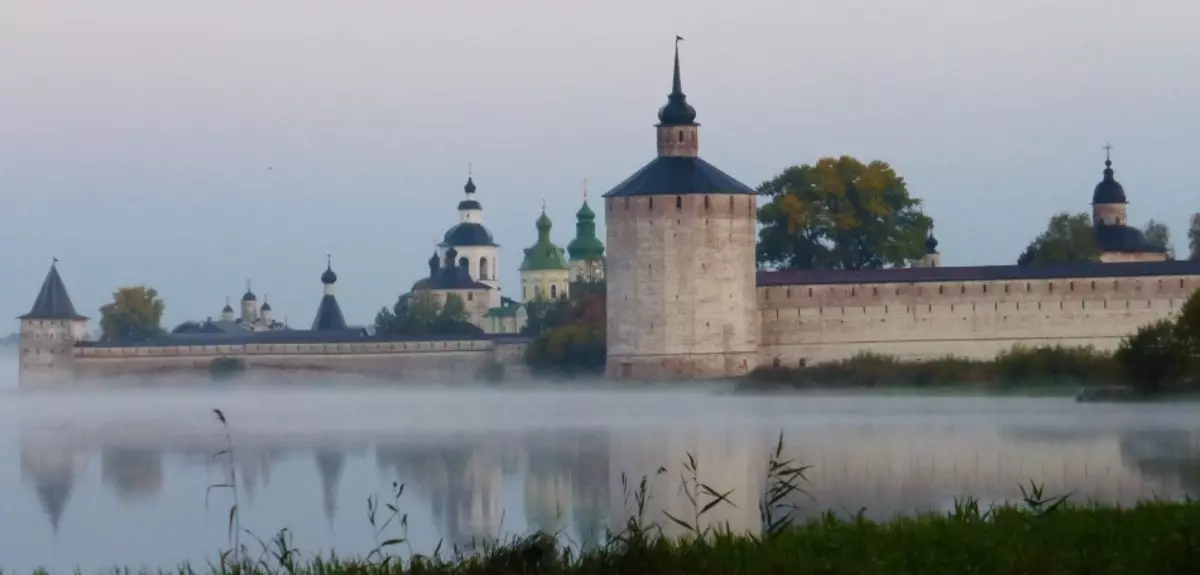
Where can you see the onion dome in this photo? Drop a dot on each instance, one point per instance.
(265, 306)
(470, 203)
(249, 295)
(677, 112)
(328, 277)
(544, 255)
(585, 245)
(468, 234)
(1108, 191)
(931, 244)
(228, 308)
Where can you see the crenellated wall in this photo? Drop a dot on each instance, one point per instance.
(975, 319)
(440, 359)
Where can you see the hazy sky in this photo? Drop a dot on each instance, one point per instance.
(193, 145)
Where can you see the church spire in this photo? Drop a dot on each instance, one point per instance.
(677, 112)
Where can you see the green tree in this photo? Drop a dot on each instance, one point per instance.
(1068, 238)
(420, 313)
(1194, 237)
(840, 214)
(133, 316)
(572, 340)
(1159, 235)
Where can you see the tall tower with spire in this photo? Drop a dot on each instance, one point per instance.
(49, 332)
(1118, 242)
(329, 313)
(681, 235)
(586, 250)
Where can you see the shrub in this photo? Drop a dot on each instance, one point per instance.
(1154, 359)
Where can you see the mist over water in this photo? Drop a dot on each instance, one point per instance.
(98, 476)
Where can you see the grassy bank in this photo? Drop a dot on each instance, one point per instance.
(1151, 538)
(1018, 367)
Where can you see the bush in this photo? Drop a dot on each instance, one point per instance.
(1164, 356)
(1016, 366)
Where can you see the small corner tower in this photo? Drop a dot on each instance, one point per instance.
(544, 271)
(329, 313)
(49, 331)
(472, 240)
(586, 250)
(681, 273)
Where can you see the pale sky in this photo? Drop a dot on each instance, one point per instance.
(192, 145)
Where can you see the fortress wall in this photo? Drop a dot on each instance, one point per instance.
(681, 285)
(967, 319)
(434, 359)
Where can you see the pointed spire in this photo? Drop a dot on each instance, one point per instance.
(52, 300)
(677, 112)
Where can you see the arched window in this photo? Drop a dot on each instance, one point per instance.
(462, 262)
(681, 135)
(553, 291)
(483, 268)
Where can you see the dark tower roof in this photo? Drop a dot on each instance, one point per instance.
(470, 203)
(585, 245)
(329, 315)
(677, 112)
(931, 243)
(228, 308)
(671, 176)
(52, 301)
(328, 277)
(468, 234)
(1108, 191)
(469, 187)
(265, 306)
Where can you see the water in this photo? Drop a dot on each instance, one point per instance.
(97, 478)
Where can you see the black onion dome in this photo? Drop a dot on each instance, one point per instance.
(469, 205)
(468, 234)
(228, 308)
(931, 244)
(677, 112)
(249, 296)
(266, 306)
(328, 277)
(470, 186)
(1109, 190)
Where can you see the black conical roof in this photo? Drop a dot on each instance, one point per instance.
(52, 301)
(329, 315)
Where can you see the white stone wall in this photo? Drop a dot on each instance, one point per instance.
(1114, 257)
(681, 286)
(967, 319)
(1110, 214)
(545, 284)
(46, 346)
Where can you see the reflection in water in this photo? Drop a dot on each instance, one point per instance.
(484, 481)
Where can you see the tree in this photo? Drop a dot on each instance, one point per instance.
(133, 316)
(840, 214)
(1194, 237)
(572, 339)
(420, 313)
(1068, 238)
(1159, 235)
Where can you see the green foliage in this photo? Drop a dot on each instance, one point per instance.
(420, 313)
(492, 371)
(1018, 366)
(1159, 235)
(571, 336)
(1194, 237)
(840, 214)
(1164, 356)
(133, 316)
(1068, 238)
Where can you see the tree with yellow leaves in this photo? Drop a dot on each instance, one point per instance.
(840, 214)
(133, 316)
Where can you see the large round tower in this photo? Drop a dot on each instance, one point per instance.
(681, 237)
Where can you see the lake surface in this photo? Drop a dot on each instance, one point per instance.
(98, 477)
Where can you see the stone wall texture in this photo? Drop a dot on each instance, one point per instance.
(967, 319)
(681, 286)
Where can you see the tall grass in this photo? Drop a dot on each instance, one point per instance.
(1041, 534)
(1014, 367)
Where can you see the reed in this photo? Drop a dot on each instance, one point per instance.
(1040, 534)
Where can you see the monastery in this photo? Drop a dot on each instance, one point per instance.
(685, 297)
